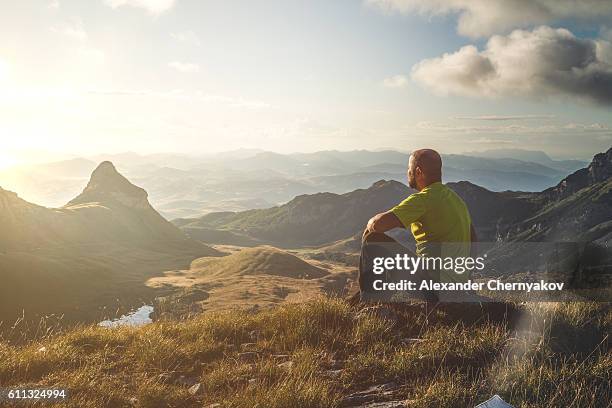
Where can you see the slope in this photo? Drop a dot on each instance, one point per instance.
(100, 247)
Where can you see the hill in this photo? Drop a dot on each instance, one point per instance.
(576, 209)
(323, 353)
(307, 220)
(98, 248)
(248, 278)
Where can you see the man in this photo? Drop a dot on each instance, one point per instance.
(437, 217)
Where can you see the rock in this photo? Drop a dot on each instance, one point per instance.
(252, 381)
(133, 401)
(43, 349)
(287, 365)
(386, 404)
(369, 395)
(196, 389)
(248, 356)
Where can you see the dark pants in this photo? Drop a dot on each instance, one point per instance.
(376, 244)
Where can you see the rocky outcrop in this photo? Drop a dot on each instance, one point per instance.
(107, 186)
(599, 170)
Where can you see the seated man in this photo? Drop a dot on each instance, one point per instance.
(436, 215)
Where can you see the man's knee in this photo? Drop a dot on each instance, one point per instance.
(372, 236)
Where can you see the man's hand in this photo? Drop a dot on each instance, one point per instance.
(383, 222)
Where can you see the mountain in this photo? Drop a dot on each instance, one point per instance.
(494, 213)
(534, 156)
(100, 247)
(307, 220)
(577, 208)
(191, 186)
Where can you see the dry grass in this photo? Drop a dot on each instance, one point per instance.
(554, 355)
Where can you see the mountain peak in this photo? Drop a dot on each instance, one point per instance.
(107, 185)
(599, 170)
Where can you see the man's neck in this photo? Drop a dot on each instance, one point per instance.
(425, 185)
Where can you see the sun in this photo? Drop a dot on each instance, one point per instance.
(7, 161)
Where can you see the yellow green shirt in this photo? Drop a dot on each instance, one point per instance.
(437, 215)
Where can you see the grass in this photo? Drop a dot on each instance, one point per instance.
(455, 356)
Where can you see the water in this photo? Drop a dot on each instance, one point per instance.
(138, 317)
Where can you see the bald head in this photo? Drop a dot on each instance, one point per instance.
(424, 168)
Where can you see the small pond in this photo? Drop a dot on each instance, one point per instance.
(137, 317)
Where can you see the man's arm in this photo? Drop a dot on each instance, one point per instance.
(384, 222)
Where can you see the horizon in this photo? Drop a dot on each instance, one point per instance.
(31, 158)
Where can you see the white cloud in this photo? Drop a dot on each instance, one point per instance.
(541, 63)
(397, 81)
(185, 67)
(72, 29)
(54, 5)
(514, 129)
(503, 117)
(485, 17)
(154, 7)
(488, 140)
(187, 37)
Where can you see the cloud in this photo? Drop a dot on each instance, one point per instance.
(185, 67)
(503, 117)
(594, 129)
(72, 29)
(187, 37)
(541, 63)
(479, 18)
(154, 7)
(53, 5)
(488, 140)
(397, 81)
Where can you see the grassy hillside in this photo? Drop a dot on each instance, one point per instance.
(95, 252)
(248, 278)
(323, 353)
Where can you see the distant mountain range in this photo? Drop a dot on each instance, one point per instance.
(100, 246)
(578, 208)
(307, 220)
(186, 186)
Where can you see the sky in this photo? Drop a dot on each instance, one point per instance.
(82, 77)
